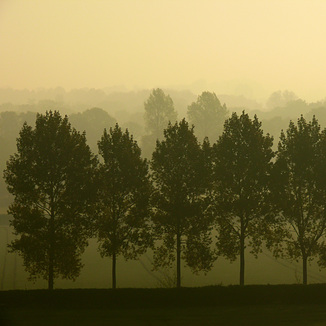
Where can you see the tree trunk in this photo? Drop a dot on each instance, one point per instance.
(114, 277)
(51, 255)
(4, 261)
(304, 270)
(242, 259)
(50, 281)
(178, 260)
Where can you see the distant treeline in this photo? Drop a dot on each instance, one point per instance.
(216, 173)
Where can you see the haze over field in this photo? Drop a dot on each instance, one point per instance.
(102, 61)
(249, 48)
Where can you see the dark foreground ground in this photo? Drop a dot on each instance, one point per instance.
(233, 305)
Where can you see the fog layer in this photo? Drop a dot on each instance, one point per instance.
(245, 48)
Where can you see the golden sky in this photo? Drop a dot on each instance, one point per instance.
(252, 47)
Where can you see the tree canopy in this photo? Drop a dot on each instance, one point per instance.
(241, 167)
(62, 194)
(122, 218)
(93, 120)
(178, 201)
(51, 178)
(299, 195)
(159, 110)
(208, 116)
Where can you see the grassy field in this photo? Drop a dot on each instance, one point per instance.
(233, 305)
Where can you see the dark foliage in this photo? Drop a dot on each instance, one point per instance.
(122, 219)
(241, 167)
(298, 193)
(178, 201)
(51, 179)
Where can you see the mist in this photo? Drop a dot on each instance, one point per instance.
(139, 72)
(245, 48)
(92, 110)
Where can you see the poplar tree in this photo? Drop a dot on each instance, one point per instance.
(122, 219)
(208, 116)
(159, 110)
(51, 177)
(241, 168)
(179, 200)
(298, 192)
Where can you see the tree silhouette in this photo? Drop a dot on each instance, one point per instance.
(178, 201)
(159, 110)
(93, 120)
(280, 99)
(298, 192)
(241, 166)
(208, 116)
(122, 218)
(51, 178)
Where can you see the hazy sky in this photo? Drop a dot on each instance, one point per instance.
(232, 46)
